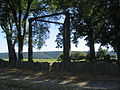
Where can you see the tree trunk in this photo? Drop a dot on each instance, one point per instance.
(20, 50)
(91, 46)
(66, 39)
(115, 15)
(118, 56)
(30, 49)
(11, 51)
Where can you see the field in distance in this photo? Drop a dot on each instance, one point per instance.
(40, 60)
(48, 60)
(43, 60)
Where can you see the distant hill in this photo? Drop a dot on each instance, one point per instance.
(4, 55)
(37, 55)
(45, 55)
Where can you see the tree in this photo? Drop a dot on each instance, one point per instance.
(7, 25)
(85, 19)
(100, 23)
(21, 11)
(115, 8)
(82, 18)
(77, 56)
(101, 53)
(74, 56)
(60, 58)
(113, 57)
(20, 17)
(109, 26)
(64, 6)
(40, 18)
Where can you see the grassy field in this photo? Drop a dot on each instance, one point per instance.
(43, 60)
(40, 60)
(49, 60)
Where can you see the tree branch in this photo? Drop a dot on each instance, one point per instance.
(13, 11)
(35, 18)
(27, 10)
(26, 15)
(50, 22)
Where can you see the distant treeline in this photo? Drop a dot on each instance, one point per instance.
(44, 55)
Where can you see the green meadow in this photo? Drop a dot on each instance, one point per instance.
(40, 60)
(43, 60)
(48, 60)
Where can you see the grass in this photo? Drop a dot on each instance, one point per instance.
(40, 60)
(49, 60)
(43, 60)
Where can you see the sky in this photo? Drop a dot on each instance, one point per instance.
(50, 43)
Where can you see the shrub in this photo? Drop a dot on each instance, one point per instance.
(60, 58)
(77, 56)
(101, 53)
(113, 57)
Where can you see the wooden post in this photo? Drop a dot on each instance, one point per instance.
(30, 47)
(66, 39)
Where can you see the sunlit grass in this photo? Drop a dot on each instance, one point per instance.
(79, 60)
(6, 59)
(49, 60)
(43, 60)
(40, 60)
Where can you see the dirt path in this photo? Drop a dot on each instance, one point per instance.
(63, 78)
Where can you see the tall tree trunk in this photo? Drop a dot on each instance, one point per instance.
(20, 36)
(115, 15)
(66, 39)
(116, 21)
(30, 48)
(11, 51)
(118, 56)
(20, 50)
(91, 46)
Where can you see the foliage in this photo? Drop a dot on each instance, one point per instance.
(109, 27)
(85, 15)
(60, 58)
(77, 56)
(101, 53)
(88, 55)
(113, 57)
(59, 38)
(21, 11)
(41, 29)
(96, 20)
(74, 56)
(7, 23)
(40, 34)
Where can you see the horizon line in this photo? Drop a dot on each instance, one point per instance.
(57, 51)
